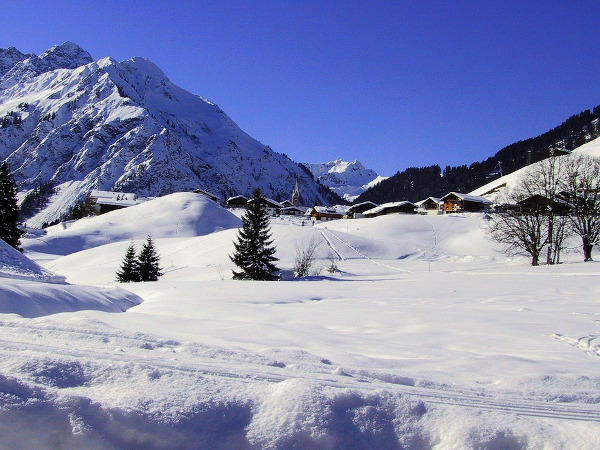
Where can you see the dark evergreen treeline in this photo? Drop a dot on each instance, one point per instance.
(416, 184)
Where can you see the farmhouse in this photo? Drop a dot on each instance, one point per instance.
(327, 212)
(100, 202)
(273, 207)
(357, 211)
(540, 204)
(404, 207)
(455, 202)
(239, 201)
(293, 211)
(430, 206)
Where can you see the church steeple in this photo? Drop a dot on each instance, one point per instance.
(296, 194)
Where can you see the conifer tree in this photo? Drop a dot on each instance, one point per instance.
(253, 249)
(129, 267)
(148, 262)
(9, 211)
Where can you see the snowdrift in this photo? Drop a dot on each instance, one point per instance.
(29, 290)
(35, 299)
(13, 264)
(181, 214)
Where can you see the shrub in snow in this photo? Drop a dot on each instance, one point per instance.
(304, 259)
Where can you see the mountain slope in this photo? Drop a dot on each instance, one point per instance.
(494, 188)
(347, 179)
(415, 184)
(69, 120)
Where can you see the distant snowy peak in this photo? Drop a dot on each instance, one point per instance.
(66, 56)
(347, 179)
(9, 57)
(71, 124)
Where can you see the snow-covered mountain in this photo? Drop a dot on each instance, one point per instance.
(76, 124)
(347, 179)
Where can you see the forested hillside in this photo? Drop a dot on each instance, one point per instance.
(415, 184)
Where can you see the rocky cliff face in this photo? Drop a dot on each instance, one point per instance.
(78, 124)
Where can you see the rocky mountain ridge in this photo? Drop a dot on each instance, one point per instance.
(75, 124)
(347, 179)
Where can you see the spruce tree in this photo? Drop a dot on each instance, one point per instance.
(253, 249)
(148, 262)
(129, 267)
(9, 211)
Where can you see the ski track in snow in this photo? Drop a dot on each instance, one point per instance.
(354, 249)
(43, 342)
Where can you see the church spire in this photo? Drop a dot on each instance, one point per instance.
(296, 194)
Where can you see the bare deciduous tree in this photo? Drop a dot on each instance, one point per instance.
(520, 233)
(583, 190)
(535, 215)
(304, 258)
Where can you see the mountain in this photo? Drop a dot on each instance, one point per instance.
(347, 179)
(70, 124)
(418, 183)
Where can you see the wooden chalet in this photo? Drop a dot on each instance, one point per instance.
(100, 202)
(404, 207)
(319, 213)
(293, 211)
(239, 201)
(539, 204)
(455, 202)
(357, 211)
(429, 206)
(273, 207)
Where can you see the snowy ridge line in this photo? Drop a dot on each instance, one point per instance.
(358, 252)
(253, 371)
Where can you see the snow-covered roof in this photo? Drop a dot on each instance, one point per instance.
(336, 209)
(301, 209)
(115, 198)
(269, 202)
(207, 194)
(388, 205)
(434, 199)
(469, 198)
(358, 205)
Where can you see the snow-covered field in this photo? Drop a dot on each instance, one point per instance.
(426, 337)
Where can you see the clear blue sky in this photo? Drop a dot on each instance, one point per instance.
(394, 84)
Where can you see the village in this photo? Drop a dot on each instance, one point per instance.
(100, 202)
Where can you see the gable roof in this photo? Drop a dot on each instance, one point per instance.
(468, 198)
(433, 199)
(388, 205)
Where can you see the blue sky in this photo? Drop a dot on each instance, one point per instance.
(394, 84)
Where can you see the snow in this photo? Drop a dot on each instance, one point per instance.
(494, 188)
(425, 337)
(123, 126)
(347, 179)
